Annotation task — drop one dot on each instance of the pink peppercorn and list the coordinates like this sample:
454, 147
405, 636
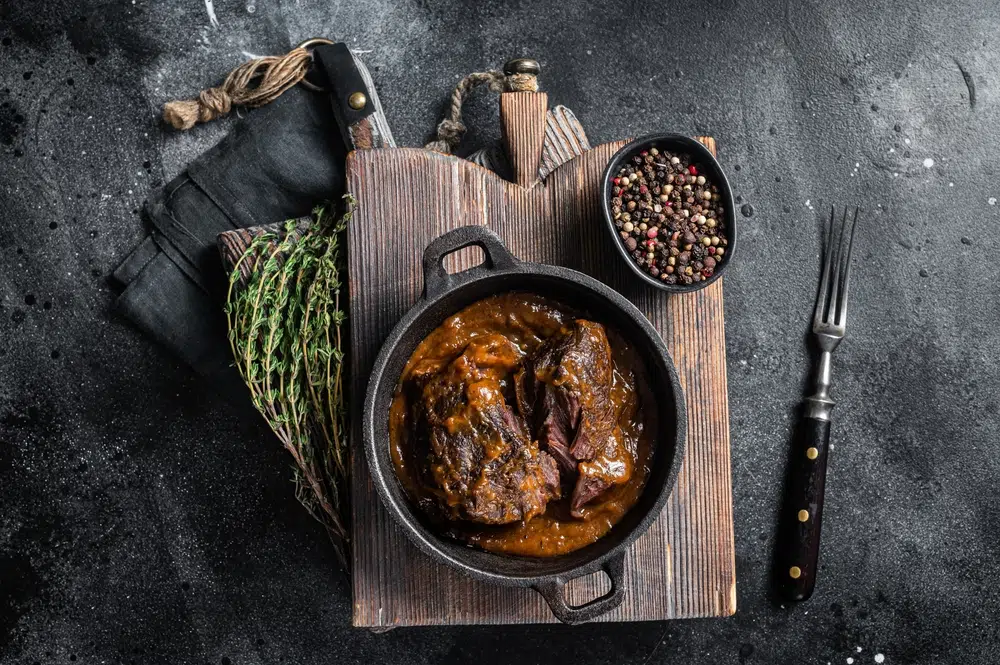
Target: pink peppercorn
652, 233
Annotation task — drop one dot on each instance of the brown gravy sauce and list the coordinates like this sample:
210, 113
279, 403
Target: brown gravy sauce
528, 320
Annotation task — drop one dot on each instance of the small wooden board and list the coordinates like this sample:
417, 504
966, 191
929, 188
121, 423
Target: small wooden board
684, 565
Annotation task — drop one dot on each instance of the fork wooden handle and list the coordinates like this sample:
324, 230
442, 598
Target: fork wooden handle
797, 554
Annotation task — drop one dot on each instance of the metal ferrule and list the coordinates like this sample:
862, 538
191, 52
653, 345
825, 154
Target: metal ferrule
820, 404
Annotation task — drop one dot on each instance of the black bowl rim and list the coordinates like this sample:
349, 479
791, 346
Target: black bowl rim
690, 145
418, 533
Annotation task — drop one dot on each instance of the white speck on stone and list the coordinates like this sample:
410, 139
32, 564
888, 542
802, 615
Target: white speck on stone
895, 175
951, 184
906, 141
589, 52
992, 200
928, 163
857, 165
850, 661
879, 658
892, 150
858, 648
210, 10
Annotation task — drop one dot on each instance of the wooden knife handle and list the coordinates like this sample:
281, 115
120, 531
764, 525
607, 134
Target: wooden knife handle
802, 513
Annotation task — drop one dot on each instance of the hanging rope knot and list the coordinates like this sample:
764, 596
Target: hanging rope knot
451, 129
521, 82
252, 84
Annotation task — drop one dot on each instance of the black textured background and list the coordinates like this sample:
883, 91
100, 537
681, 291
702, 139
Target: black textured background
145, 520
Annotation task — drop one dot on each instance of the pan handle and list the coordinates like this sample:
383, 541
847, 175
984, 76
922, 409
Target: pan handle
436, 278
552, 592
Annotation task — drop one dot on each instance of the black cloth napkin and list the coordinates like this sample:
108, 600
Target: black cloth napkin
277, 163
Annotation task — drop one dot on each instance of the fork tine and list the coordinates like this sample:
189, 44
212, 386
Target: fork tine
831, 311
824, 283
846, 262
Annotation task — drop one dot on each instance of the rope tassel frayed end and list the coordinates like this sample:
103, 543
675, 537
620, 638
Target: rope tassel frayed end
185, 114
253, 84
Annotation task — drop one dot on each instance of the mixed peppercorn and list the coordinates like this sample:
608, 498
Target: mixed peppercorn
669, 217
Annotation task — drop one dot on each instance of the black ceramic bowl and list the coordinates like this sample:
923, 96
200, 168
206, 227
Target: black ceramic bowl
445, 295
707, 166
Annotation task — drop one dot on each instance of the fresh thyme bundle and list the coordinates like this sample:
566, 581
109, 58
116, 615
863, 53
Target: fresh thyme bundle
285, 320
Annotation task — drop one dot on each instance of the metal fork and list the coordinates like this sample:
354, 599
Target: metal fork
799, 527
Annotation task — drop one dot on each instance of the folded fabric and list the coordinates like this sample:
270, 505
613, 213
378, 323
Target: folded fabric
277, 163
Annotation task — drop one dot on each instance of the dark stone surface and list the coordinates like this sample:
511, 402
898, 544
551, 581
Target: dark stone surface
146, 520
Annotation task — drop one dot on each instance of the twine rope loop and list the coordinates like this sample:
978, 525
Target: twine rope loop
451, 129
253, 84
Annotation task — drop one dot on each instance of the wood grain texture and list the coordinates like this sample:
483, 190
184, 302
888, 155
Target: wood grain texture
684, 565
522, 124
564, 140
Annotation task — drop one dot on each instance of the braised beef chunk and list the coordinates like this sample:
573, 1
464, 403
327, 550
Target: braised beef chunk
550, 471
565, 390
481, 459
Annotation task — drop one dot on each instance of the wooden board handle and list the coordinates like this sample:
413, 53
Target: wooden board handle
522, 121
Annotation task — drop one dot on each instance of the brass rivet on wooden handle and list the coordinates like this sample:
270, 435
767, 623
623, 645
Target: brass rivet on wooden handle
522, 66
812, 453
803, 515
357, 101
795, 572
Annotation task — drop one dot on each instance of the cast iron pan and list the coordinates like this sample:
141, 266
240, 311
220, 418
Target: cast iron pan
445, 295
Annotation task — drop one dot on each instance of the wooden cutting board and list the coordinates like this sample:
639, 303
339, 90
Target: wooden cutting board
684, 565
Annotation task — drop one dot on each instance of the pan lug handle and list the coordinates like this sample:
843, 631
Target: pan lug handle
437, 280
553, 593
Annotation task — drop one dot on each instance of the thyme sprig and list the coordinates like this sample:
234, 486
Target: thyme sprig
286, 318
